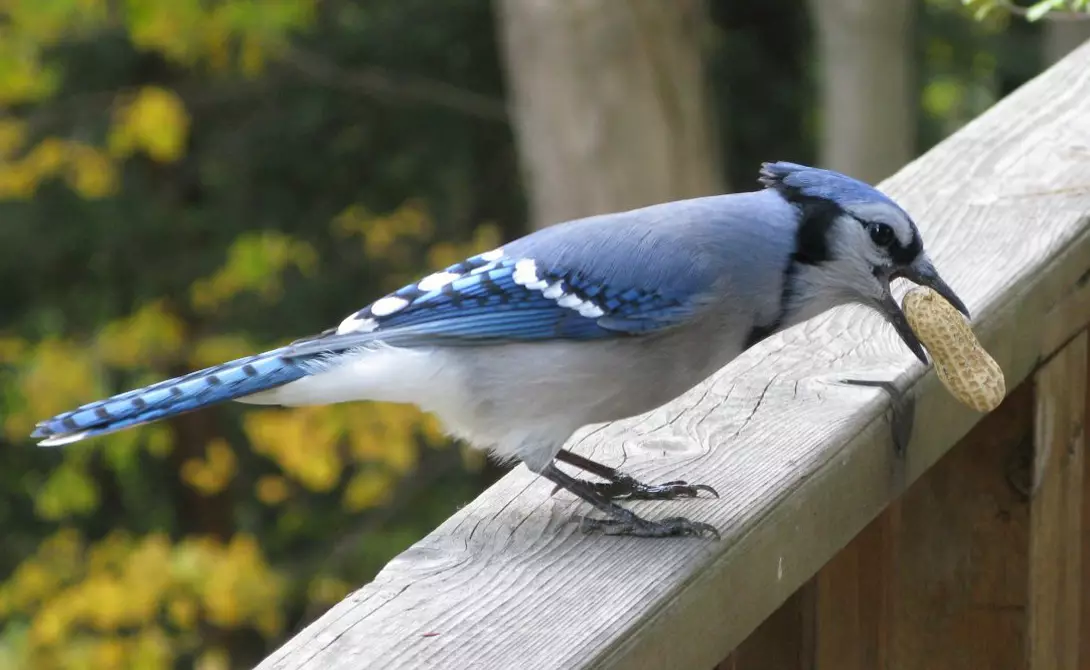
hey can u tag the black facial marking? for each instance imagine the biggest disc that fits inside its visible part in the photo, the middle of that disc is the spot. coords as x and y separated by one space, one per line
818 216
904 255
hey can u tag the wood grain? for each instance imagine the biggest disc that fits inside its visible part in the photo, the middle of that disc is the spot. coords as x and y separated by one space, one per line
1055 545
804 461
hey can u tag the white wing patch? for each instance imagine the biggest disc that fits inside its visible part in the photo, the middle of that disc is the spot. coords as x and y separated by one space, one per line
355 324
437 281
388 305
526 275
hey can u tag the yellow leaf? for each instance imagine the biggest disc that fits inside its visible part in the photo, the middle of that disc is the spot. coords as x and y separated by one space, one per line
56 376
252 58
49 626
23 76
302 441
68 491
217 349
47 157
109 553
150 334
211 475
12 349
160 440
239 587
183 612
325 589
272 489
31 583
155 122
17 182
91 173
12 136
109 653
213 659
151 651
255 262
367 489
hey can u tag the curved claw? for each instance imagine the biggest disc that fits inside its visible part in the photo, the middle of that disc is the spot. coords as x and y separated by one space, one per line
670 527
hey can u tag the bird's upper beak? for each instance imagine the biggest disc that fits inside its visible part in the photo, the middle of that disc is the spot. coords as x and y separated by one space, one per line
921 272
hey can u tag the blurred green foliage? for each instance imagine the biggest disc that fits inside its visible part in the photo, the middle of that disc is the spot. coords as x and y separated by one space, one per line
186 181
1035 11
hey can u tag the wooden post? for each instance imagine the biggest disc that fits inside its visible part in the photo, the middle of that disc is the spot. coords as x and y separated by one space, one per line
1056 501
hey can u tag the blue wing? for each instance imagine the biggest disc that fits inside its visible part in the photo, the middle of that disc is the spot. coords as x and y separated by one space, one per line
492 298
609 276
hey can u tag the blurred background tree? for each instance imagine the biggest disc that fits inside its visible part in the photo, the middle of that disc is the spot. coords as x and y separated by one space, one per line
187 181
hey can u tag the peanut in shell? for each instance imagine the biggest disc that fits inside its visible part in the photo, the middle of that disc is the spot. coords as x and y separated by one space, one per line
964 367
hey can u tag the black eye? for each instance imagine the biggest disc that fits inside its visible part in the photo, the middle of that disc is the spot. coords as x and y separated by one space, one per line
880 233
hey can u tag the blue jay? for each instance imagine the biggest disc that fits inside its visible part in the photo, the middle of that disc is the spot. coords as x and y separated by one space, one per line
587 321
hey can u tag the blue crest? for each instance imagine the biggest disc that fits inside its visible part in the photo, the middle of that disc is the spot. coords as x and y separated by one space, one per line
794 180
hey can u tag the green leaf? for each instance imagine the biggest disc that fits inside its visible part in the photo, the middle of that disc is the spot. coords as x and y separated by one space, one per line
1035 12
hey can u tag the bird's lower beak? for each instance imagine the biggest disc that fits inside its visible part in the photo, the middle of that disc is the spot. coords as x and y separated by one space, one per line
923 273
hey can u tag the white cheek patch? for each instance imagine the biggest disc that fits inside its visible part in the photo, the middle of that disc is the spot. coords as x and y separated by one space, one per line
526 274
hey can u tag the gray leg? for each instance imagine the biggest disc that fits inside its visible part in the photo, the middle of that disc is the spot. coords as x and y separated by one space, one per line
620 485
622 521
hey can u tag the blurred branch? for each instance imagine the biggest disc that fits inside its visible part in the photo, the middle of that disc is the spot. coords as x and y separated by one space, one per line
380 83
1052 15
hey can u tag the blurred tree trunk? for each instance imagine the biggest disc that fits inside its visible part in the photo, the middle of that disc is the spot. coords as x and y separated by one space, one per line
609 104
1062 37
868 110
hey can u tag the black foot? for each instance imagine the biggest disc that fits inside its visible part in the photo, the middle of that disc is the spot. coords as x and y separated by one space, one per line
637 527
624 487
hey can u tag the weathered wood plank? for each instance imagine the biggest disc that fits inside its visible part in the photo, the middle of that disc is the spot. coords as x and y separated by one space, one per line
1055 515
804 461
855 599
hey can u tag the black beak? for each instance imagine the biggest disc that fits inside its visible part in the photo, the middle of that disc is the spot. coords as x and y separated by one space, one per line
925 274
921 272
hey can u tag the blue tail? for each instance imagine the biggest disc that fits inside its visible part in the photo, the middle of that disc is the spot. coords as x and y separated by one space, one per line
172 397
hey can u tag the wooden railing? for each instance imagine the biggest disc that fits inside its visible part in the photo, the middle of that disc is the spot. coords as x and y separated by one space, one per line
863 527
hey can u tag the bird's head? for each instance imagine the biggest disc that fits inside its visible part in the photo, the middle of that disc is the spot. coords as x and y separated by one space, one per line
852 241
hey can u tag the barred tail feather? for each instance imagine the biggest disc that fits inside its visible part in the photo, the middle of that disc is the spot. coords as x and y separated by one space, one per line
228 381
